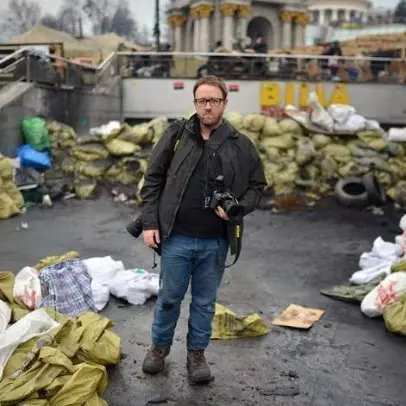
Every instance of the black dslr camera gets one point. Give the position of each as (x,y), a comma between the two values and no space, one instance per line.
(226,200)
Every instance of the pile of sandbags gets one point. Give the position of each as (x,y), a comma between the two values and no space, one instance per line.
(296,160)
(115,154)
(11,199)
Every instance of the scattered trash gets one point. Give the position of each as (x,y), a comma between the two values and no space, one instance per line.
(228,325)
(24,225)
(298,317)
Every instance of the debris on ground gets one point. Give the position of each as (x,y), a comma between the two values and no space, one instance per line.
(300,317)
(228,325)
(380,285)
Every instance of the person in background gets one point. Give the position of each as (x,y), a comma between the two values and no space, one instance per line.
(177,216)
(259,63)
(334,53)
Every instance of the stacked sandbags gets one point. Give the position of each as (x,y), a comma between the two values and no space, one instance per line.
(113,153)
(11,200)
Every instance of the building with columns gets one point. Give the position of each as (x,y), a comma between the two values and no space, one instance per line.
(327,12)
(198,24)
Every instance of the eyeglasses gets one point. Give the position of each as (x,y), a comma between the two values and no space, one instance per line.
(212,102)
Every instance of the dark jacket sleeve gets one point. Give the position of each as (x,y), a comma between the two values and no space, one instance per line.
(256,184)
(155,176)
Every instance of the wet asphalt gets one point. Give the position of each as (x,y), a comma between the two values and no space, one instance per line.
(343,360)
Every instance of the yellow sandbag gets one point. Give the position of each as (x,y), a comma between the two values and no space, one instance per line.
(84,187)
(284,178)
(6,169)
(228,325)
(93,169)
(395,316)
(271,128)
(253,136)
(15,195)
(115,133)
(351,169)
(335,150)
(399,266)
(305,151)
(398,193)
(235,119)
(55,259)
(374,140)
(68,164)
(290,126)
(8,207)
(90,152)
(273,153)
(158,125)
(139,135)
(328,167)
(285,141)
(321,140)
(121,148)
(18,308)
(254,122)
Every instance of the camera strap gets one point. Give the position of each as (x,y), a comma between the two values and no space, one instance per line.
(235,232)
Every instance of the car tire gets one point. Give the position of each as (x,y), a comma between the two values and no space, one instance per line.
(376,192)
(351,192)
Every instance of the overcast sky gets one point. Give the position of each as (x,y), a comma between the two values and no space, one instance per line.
(144,9)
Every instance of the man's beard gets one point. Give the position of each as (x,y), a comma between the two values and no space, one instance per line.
(210,120)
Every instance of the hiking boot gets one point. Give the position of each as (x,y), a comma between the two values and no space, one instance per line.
(199,371)
(154,361)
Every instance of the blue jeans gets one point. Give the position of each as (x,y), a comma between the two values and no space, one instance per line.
(183,259)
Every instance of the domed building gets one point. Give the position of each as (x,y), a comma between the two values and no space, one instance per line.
(198,25)
(328,12)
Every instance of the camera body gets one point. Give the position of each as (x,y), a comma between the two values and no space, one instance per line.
(226,200)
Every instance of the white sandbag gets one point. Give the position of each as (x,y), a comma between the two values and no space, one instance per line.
(27,287)
(372,125)
(5,316)
(34,324)
(103,269)
(101,295)
(386,293)
(355,123)
(105,129)
(135,286)
(377,262)
(319,115)
(340,113)
(397,135)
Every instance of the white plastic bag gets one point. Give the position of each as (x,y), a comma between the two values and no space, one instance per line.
(354,124)
(386,293)
(135,286)
(5,316)
(319,115)
(340,112)
(34,324)
(101,295)
(27,287)
(378,261)
(397,135)
(103,269)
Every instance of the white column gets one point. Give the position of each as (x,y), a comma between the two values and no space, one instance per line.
(287,33)
(204,34)
(322,17)
(228,32)
(178,38)
(347,15)
(334,14)
(196,35)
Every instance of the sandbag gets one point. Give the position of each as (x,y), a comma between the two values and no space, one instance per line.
(290,126)
(35,133)
(158,125)
(139,135)
(7,207)
(321,140)
(351,170)
(235,119)
(93,169)
(253,136)
(338,152)
(90,152)
(254,122)
(88,139)
(6,169)
(271,128)
(305,151)
(398,193)
(285,141)
(84,187)
(319,115)
(395,316)
(340,112)
(374,139)
(328,167)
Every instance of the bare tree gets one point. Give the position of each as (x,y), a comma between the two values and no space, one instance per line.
(122,22)
(49,20)
(144,36)
(20,16)
(71,17)
(99,13)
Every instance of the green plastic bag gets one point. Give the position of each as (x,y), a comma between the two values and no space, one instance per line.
(35,132)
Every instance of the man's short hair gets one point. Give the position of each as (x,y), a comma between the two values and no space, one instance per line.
(212,80)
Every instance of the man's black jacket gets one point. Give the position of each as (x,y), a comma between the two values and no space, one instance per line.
(166,179)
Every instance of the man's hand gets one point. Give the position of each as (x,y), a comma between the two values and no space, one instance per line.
(221,213)
(151,238)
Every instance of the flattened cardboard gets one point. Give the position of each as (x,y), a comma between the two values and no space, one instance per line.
(296,316)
